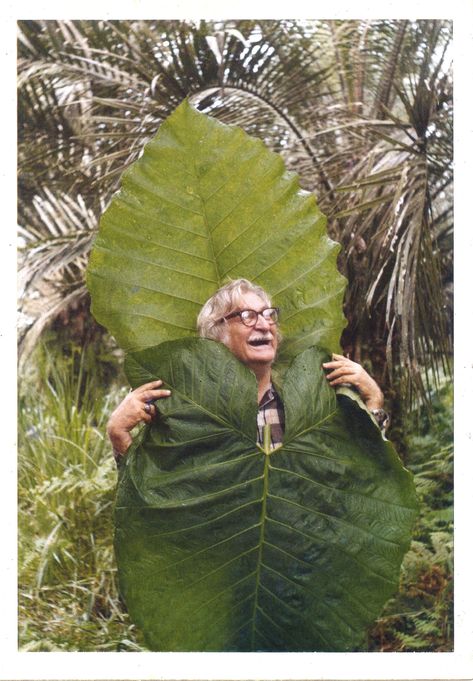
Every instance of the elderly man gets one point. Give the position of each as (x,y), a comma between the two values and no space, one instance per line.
(240,315)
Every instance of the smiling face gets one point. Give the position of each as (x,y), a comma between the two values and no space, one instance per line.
(256,345)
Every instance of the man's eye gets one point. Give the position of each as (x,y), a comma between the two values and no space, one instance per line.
(247,315)
(271,314)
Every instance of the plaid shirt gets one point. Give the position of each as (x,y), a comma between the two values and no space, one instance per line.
(271,410)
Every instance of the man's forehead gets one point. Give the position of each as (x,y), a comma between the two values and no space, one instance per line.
(250,301)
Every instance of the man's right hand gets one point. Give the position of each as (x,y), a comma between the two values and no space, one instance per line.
(135,408)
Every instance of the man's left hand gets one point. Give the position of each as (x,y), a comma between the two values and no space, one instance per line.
(344,370)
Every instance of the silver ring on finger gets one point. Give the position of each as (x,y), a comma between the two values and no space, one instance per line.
(147,407)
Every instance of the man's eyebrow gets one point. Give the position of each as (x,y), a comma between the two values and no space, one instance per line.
(252,309)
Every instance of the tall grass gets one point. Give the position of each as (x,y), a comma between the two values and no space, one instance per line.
(67,584)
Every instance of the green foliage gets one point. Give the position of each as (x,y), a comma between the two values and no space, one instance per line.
(67,589)
(204,204)
(226,546)
(77,608)
(420,617)
(356,107)
(360,109)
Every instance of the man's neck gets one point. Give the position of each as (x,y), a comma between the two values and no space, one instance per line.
(263,376)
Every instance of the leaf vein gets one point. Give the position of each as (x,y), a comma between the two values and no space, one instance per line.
(223,591)
(133,257)
(197,525)
(337,489)
(289,555)
(341,521)
(138,238)
(292,609)
(336,547)
(309,591)
(205,549)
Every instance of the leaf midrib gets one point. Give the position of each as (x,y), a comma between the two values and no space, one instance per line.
(263,518)
(218,278)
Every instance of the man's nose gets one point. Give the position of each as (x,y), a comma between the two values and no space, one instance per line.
(262,323)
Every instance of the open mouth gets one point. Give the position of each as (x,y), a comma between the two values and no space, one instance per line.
(257,342)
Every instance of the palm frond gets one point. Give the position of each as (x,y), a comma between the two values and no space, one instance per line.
(362,110)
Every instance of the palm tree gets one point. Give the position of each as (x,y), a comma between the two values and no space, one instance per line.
(362,110)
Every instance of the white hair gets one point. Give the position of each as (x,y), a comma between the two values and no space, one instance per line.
(224,301)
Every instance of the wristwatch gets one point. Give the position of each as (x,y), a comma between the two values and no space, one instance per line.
(381,416)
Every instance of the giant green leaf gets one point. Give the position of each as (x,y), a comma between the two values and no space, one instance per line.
(226,546)
(206,203)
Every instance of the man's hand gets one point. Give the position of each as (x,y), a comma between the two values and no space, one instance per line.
(136,407)
(344,370)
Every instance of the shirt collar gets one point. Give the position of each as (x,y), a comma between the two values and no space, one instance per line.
(268,396)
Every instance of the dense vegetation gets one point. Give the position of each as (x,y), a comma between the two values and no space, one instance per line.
(68,593)
(363,112)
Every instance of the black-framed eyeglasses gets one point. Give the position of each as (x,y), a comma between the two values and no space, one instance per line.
(250,317)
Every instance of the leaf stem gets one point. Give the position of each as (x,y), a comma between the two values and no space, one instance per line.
(267,439)
(267,451)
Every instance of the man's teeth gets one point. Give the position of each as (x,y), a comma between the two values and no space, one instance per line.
(259,341)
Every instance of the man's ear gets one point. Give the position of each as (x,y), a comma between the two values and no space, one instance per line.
(223,334)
